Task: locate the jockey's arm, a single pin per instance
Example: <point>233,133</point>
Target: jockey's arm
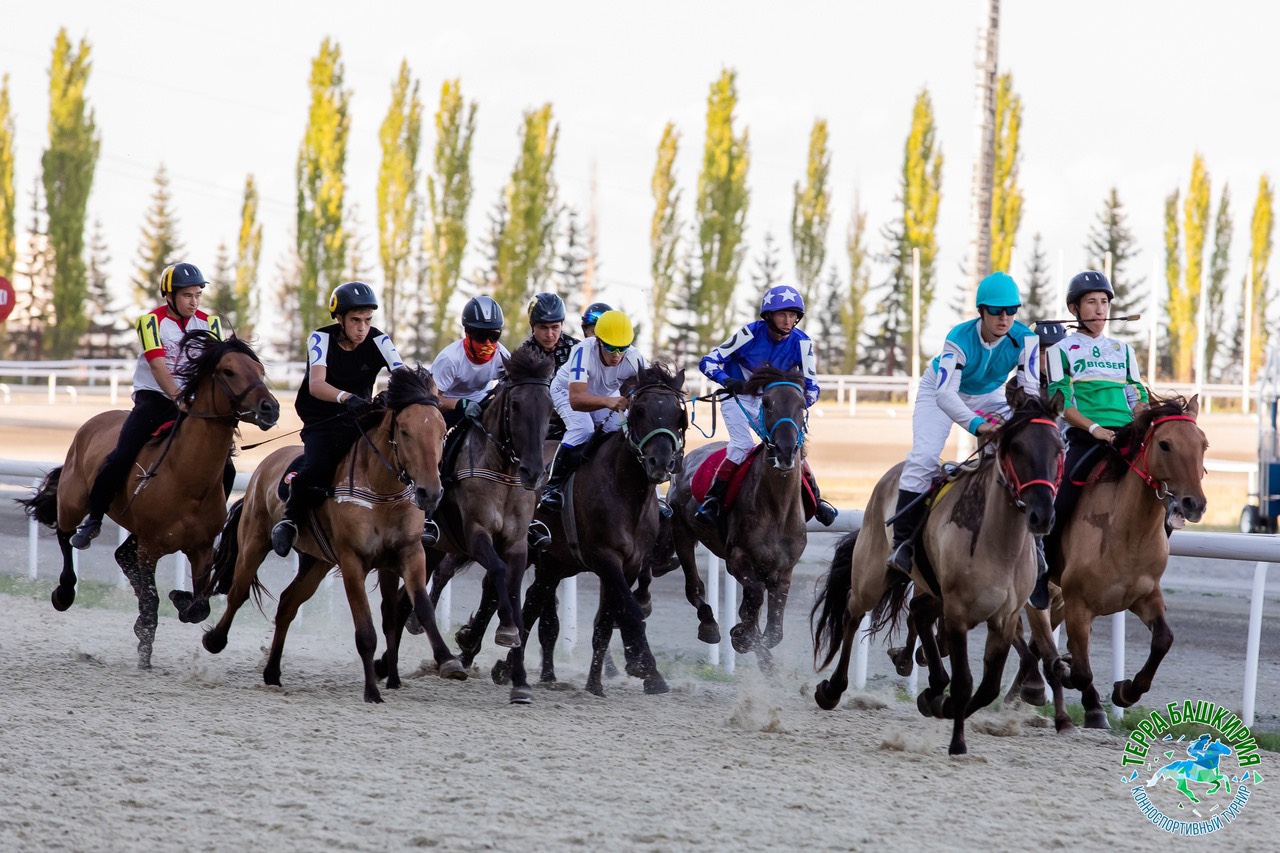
<point>949,371</point>
<point>322,390</point>
<point>164,378</point>
<point>582,400</point>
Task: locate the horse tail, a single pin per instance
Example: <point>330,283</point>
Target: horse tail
<point>222,568</point>
<point>889,608</point>
<point>831,603</point>
<point>42,506</point>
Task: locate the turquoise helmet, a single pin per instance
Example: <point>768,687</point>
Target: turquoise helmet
<point>998,290</point>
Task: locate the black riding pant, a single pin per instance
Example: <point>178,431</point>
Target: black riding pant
<point>1084,452</point>
<point>150,410</point>
<point>324,446</point>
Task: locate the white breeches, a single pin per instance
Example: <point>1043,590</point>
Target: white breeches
<point>741,437</point>
<point>931,427</point>
<point>579,426</point>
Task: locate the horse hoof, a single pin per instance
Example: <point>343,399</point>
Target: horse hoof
<point>656,686</point>
<point>610,668</point>
<point>465,640</point>
<point>940,707</point>
<point>1096,719</point>
<point>393,681</point>
<point>822,694</point>
<point>1118,692</point>
<point>923,703</point>
<point>740,636</point>
<point>595,689</point>
<point>1034,696</point>
<point>413,626</point>
<point>646,607</point>
<point>635,669</point>
<point>271,677</point>
<point>197,612</point>
<point>62,597</point>
<point>213,642</point>
<point>452,669</point>
<point>548,678</point>
<point>901,661</point>
<point>709,633</point>
<point>958,748</point>
<point>379,669</point>
<point>521,696</point>
<point>501,672</point>
<point>1063,725</point>
<point>921,660</point>
<point>372,696</point>
<point>508,638</point>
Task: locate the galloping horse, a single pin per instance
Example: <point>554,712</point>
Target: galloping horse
<point>176,502</point>
<point>384,484</point>
<point>1114,548</point>
<point>764,531</point>
<point>979,558</point>
<point>608,526</point>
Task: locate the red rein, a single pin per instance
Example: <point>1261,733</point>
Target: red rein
<point>1016,487</point>
<point>1139,465</point>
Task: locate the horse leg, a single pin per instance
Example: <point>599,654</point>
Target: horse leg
<point>1150,609</point>
<point>548,619</point>
<point>304,585</point>
<point>534,610</point>
<point>140,569</point>
<point>353,572</point>
<point>902,657</point>
<point>746,634</point>
<point>994,656</point>
<point>956,705</point>
<point>695,591</point>
<point>507,633</point>
<point>1043,648</point>
<point>415,587</point>
<point>623,608</point>
<point>643,597</point>
<point>252,552</point>
<point>828,692</point>
<point>65,592</point>
<point>924,612</point>
<point>1028,685</point>
<point>1079,674</point>
<point>393,600</point>
<point>193,607</point>
<point>601,634</point>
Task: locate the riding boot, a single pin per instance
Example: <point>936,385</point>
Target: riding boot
<point>86,532</point>
<point>285,533</point>
<point>823,511</point>
<point>902,554</point>
<point>228,478</point>
<point>1040,595</point>
<point>430,531</point>
<point>539,536</point>
<point>104,485</point>
<point>567,460</point>
<point>713,503</point>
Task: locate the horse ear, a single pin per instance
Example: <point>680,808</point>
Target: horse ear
<point>1193,406</point>
<point>1057,403</point>
<point>1014,395</point>
<point>681,377</point>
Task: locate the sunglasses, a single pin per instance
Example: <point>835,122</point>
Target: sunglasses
<point>592,318</point>
<point>611,348</point>
<point>1006,311</point>
<point>488,336</point>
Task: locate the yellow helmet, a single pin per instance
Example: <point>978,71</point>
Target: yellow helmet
<point>614,328</point>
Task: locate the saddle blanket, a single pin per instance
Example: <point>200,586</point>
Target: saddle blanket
<point>707,471</point>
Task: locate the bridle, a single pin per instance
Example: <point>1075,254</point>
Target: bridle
<point>677,439</point>
<point>503,441</point>
<point>399,469</point>
<point>1009,477</point>
<point>1139,464</point>
<point>765,431</point>
<point>236,400</point>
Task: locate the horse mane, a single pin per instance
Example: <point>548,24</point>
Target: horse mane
<point>528,361</point>
<point>657,373</point>
<point>409,386</point>
<point>768,374</point>
<point>202,352</point>
<point>1033,406</point>
<point>1129,437</point>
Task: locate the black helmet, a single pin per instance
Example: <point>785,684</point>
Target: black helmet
<point>1089,281</point>
<point>593,312</point>
<point>482,312</point>
<point>350,296</point>
<point>546,308</point>
<point>178,276</point>
<point>1049,333</point>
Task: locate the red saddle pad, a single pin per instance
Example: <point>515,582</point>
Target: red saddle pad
<point>707,471</point>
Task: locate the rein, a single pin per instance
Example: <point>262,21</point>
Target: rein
<point>503,441</point>
<point>1139,464</point>
<point>637,447</point>
<point>765,432</point>
<point>398,469</point>
<point>1009,477</point>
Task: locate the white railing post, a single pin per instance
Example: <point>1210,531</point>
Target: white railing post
<point>444,609</point>
<point>1254,643</point>
<point>713,598</point>
<point>569,611</point>
<point>730,612</point>
<point>33,529</point>
<point>115,388</point>
<point>861,651</point>
<point>53,390</point>
<point>1117,656</point>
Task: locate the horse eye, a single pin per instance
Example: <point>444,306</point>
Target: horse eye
<point>1165,446</point>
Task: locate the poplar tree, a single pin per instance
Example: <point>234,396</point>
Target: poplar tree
<point>160,244</point>
<point>1111,233</point>
<point>68,165</point>
<point>664,231</point>
<point>853,308</point>
<point>398,192</point>
<point>448,198</point>
<point>1006,194</point>
<point>571,260</point>
<point>321,235</point>
<point>721,216</point>
<point>1195,231</point>
<point>526,243</point>
<point>1177,310</point>
<point>248,255</point>
<point>8,200</point>
<point>1219,263</point>
<point>811,215</point>
<point>1261,231</point>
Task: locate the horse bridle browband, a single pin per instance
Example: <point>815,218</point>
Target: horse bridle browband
<point>1009,477</point>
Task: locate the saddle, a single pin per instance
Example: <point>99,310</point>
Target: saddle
<point>707,471</point>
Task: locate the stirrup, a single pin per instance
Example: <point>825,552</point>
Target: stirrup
<point>901,558</point>
<point>283,535</point>
<point>664,508</point>
<point>539,536</point>
<point>552,499</point>
<point>430,532</point>
<point>709,512</point>
<point>86,533</point>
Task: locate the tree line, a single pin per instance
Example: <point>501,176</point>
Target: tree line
<point>859,303</point>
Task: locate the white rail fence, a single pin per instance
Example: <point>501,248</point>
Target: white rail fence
<point>722,589</point>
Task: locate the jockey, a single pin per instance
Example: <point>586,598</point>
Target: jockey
<point>466,369</point>
<point>591,315</point>
<point>1099,382</point>
<point>772,340</point>
<point>586,396</point>
<point>963,385</point>
<point>156,392</point>
<point>343,360</point>
<point>546,324</point>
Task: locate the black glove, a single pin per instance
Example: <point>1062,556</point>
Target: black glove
<point>356,404</point>
<point>469,408</point>
<point>735,386</point>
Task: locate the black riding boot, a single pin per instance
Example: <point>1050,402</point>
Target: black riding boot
<point>566,461</point>
<point>902,554</point>
<point>1040,595</point>
<point>285,533</point>
<point>228,478</point>
<point>823,511</point>
<point>713,502</point>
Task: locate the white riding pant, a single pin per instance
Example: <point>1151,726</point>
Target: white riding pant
<point>741,437</point>
<point>931,427</point>
<point>580,426</point>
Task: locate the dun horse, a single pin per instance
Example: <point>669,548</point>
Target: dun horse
<point>608,526</point>
<point>175,501</point>
<point>764,531</point>
<point>388,479</point>
<point>979,558</point>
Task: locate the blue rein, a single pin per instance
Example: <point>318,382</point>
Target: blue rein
<point>765,432</point>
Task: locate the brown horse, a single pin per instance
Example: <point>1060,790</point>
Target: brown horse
<point>608,526</point>
<point>176,501</point>
<point>385,483</point>
<point>979,567</point>
<point>1113,550</point>
<point>764,531</point>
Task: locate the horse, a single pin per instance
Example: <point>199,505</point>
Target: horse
<point>1113,550</point>
<point>382,488</point>
<point>176,501</point>
<point>979,565</point>
<point>608,526</point>
<point>763,534</point>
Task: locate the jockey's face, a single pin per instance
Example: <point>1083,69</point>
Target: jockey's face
<point>547,335</point>
<point>356,324</point>
<point>186,300</point>
<point>611,359</point>
<point>995,326</point>
<point>782,322</point>
<point>1092,311</point>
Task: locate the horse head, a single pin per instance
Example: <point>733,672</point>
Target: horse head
<point>521,411</point>
<point>783,420</point>
<point>1169,455</point>
<point>1029,454</point>
<point>232,367</point>
<point>656,420</point>
<point>417,432</point>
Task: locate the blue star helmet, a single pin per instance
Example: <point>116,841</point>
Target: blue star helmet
<point>998,290</point>
<point>779,298</point>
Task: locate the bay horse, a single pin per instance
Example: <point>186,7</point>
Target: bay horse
<point>175,500</point>
<point>382,488</point>
<point>980,566</point>
<point>1113,550</point>
<point>763,534</point>
<point>608,526</point>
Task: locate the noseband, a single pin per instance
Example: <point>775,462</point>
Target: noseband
<point>637,447</point>
<point>1139,465</point>
<point>1009,477</point>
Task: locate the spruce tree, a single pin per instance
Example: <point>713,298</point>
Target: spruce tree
<point>108,336</point>
<point>1037,295</point>
<point>1111,233</point>
<point>160,244</point>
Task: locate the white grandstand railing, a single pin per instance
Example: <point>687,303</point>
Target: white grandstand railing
<point>1261,549</point>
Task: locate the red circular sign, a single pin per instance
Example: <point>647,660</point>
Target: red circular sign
<point>7,299</point>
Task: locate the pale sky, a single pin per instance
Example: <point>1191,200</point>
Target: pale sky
<point>1114,93</point>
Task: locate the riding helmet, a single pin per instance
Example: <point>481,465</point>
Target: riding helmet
<point>1089,281</point>
<point>350,296</point>
<point>178,276</point>
<point>546,308</point>
<point>482,313</point>
<point>781,298</point>
<point>591,315</point>
<point>998,290</point>
<point>614,328</point>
